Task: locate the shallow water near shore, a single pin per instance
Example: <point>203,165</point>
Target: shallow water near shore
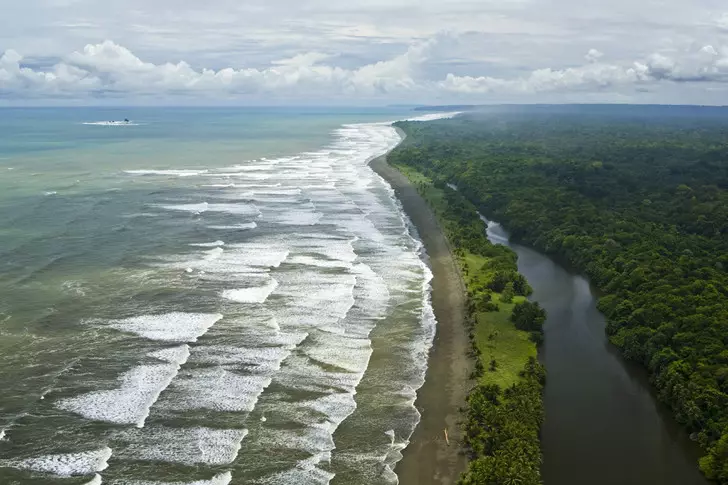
<point>603,425</point>
<point>207,297</point>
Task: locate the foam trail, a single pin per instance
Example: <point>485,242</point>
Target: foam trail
<point>307,472</point>
<point>139,390</point>
<point>178,173</point>
<point>234,260</point>
<point>209,245</point>
<point>265,359</point>
<point>194,208</point>
<point>213,254</point>
<point>218,389</point>
<point>173,355</point>
<point>219,479</point>
<point>235,209</point>
<point>245,225</point>
<point>255,294</point>
<point>168,327</point>
<point>67,465</point>
<point>185,446</point>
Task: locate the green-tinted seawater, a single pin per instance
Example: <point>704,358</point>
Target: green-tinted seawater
<point>220,295</point>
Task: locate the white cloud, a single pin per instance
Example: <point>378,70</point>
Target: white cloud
<point>111,70</point>
<point>705,65</point>
<point>360,47</point>
<point>593,55</point>
<point>588,77</point>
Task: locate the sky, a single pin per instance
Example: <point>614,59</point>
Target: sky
<point>357,52</point>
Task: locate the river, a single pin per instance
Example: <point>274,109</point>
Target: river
<point>603,425</point>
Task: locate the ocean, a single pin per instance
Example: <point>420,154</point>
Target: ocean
<point>206,296</point>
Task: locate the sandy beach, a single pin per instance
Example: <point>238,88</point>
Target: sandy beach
<point>429,459</point>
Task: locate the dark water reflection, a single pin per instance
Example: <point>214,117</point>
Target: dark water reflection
<point>603,425</point>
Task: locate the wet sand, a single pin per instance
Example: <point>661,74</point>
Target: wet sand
<point>429,459</point>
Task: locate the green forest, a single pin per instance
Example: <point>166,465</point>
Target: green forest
<point>637,202</point>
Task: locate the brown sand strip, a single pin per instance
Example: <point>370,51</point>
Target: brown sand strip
<point>430,459</point>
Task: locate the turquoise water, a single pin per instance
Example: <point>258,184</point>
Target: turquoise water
<point>205,296</point>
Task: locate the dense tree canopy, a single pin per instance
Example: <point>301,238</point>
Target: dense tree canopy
<point>639,204</point>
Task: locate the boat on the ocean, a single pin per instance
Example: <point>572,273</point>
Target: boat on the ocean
<point>111,123</point>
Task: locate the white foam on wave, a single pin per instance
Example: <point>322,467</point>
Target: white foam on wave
<point>429,326</point>
<point>238,209</point>
<point>320,263</point>
<point>371,292</point>
<point>213,254</point>
<point>209,245</point>
<point>264,254</point>
<point>252,167</point>
<point>306,472</point>
<point>335,406</point>
<point>68,464</point>
<point>304,375</point>
<point>276,191</point>
<point>265,360</point>
<point>341,351</point>
<point>217,388</point>
<point>326,249</point>
<point>219,479</point>
<point>139,389</point>
<point>256,177</point>
<point>175,173</point>
<point>185,446</point>
<point>296,217</point>
<point>255,294</point>
<point>248,261</point>
<point>245,225</point>
<point>168,327</point>
<point>194,208</point>
<point>173,355</point>
<point>322,294</point>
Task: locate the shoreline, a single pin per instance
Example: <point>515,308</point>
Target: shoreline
<point>429,459</point>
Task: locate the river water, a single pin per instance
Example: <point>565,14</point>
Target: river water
<point>603,425</point>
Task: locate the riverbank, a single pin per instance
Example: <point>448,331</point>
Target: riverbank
<point>429,458</point>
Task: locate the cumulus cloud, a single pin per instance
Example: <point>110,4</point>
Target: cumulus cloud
<point>324,48</point>
<point>591,76</point>
<point>109,69</point>
<point>705,65</point>
<point>593,55</point>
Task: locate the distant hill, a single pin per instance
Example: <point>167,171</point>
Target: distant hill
<point>600,110</point>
